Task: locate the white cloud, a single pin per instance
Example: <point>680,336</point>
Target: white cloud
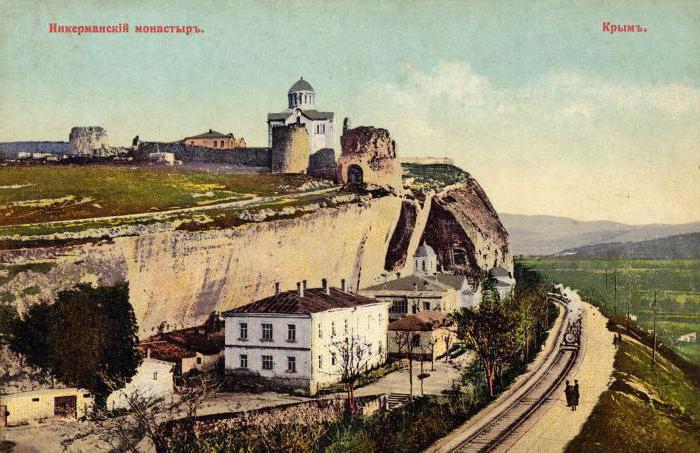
<point>522,142</point>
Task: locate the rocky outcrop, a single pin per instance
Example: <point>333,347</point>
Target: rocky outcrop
<point>464,229</point>
<point>369,157</point>
<point>87,141</point>
<point>290,149</point>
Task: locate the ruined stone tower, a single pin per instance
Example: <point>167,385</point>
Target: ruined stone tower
<point>85,141</point>
<point>369,158</point>
<point>290,149</point>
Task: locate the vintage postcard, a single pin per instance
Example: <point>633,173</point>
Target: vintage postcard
<point>349,226</point>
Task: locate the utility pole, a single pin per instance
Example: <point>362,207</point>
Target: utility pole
<point>615,303</point>
<point>653,357</point>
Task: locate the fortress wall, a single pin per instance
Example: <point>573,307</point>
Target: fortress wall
<point>246,157</point>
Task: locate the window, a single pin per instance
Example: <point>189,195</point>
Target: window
<point>243,331</point>
<point>267,362</point>
<point>399,306</point>
<point>266,332</point>
<point>222,143</point>
<point>35,400</point>
<point>155,376</point>
<point>291,333</point>
<point>346,327</point>
<point>426,306</point>
<point>291,364</point>
<point>380,349</point>
<point>320,362</point>
<point>199,360</point>
<point>332,329</point>
<point>414,309</point>
<point>244,361</point>
<point>214,143</point>
<point>87,395</point>
<point>423,266</point>
<point>415,341</point>
<point>320,330</point>
<point>333,359</point>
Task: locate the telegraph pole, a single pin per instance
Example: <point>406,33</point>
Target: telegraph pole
<point>653,357</point>
<point>615,305</point>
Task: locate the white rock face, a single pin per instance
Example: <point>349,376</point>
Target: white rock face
<point>85,140</point>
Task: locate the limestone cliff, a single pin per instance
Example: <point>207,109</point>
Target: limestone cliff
<point>181,276</point>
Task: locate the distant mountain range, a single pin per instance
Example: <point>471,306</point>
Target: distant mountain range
<point>682,246</point>
<point>547,235</point>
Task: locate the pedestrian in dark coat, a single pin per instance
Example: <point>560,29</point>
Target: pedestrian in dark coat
<point>569,392</point>
<point>575,394</point>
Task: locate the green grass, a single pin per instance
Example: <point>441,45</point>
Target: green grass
<point>33,194</point>
<point>434,176</point>
<point>676,282</point>
<point>647,408</point>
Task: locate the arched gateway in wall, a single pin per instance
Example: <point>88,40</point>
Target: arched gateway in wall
<point>355,174</point>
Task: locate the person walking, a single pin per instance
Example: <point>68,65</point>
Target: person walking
<point>575,395</point>
<point>569,395</point>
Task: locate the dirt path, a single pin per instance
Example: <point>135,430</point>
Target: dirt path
<point>558,425</point>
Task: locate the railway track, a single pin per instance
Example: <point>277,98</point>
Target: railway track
<point>501,427</point>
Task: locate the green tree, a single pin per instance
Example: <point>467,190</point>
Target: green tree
<point>489,329</point>
<point>30,338</point>
<point>86,338</point>
<point>8,323</point>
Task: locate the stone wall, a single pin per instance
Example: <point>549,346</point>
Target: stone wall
<point>322,164</point>
<point>290,149</point>
<point>245,157</point>
<point>9,150</point>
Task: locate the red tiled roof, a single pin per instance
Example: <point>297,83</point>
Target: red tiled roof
<point>411,323</point>
<point>180,344</point>
<point>165,350</point>
<point>315,300</point>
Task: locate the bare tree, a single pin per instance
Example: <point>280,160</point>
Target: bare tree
<point>428,347</point>
<point>142,416</point>
<point>353,355</point>
<point>448,337</point>
<point>405,346</point>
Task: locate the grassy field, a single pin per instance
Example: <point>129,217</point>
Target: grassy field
<point>676,282</point>
<point>647,408</point>
<point>33,194</point>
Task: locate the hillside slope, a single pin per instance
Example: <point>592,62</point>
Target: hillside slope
<point>682,246</point>
<point>546,235</point>
<point>646,409</point>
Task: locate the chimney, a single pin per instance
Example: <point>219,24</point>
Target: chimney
<point>324,284</point>
<point>148,353</point>
<point>415,287</point>
<point>277,288</point>
<point>303,284</point>
<point>300,289</point>
<point>342,284</point>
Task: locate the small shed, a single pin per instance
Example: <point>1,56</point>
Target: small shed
<point>23,407</point>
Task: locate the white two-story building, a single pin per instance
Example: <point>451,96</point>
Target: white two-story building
<point>294,339</point>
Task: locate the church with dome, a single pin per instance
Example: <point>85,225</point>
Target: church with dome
<point>301,109</point>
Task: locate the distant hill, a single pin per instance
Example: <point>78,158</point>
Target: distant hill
<point>547,235</point>
<point>682,246</point>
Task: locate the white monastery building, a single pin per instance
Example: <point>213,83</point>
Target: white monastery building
<point>504,280</point>
<point>426,289</point>
<point>301,108</point>
<point>292,339</point>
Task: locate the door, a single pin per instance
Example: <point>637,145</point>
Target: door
<point>65,406</point>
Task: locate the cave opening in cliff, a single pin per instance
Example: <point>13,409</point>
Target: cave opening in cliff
<point>456,252</point>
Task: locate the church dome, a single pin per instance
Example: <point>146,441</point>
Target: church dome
<point>424,250</point>
<point>301,95</point>
<point>301,85</point>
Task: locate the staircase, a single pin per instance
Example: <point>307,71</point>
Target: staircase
<point>397,399</point>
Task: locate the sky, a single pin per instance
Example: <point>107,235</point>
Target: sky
<point>551,114</point>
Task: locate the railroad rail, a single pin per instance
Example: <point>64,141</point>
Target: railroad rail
<point>500,427</point>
